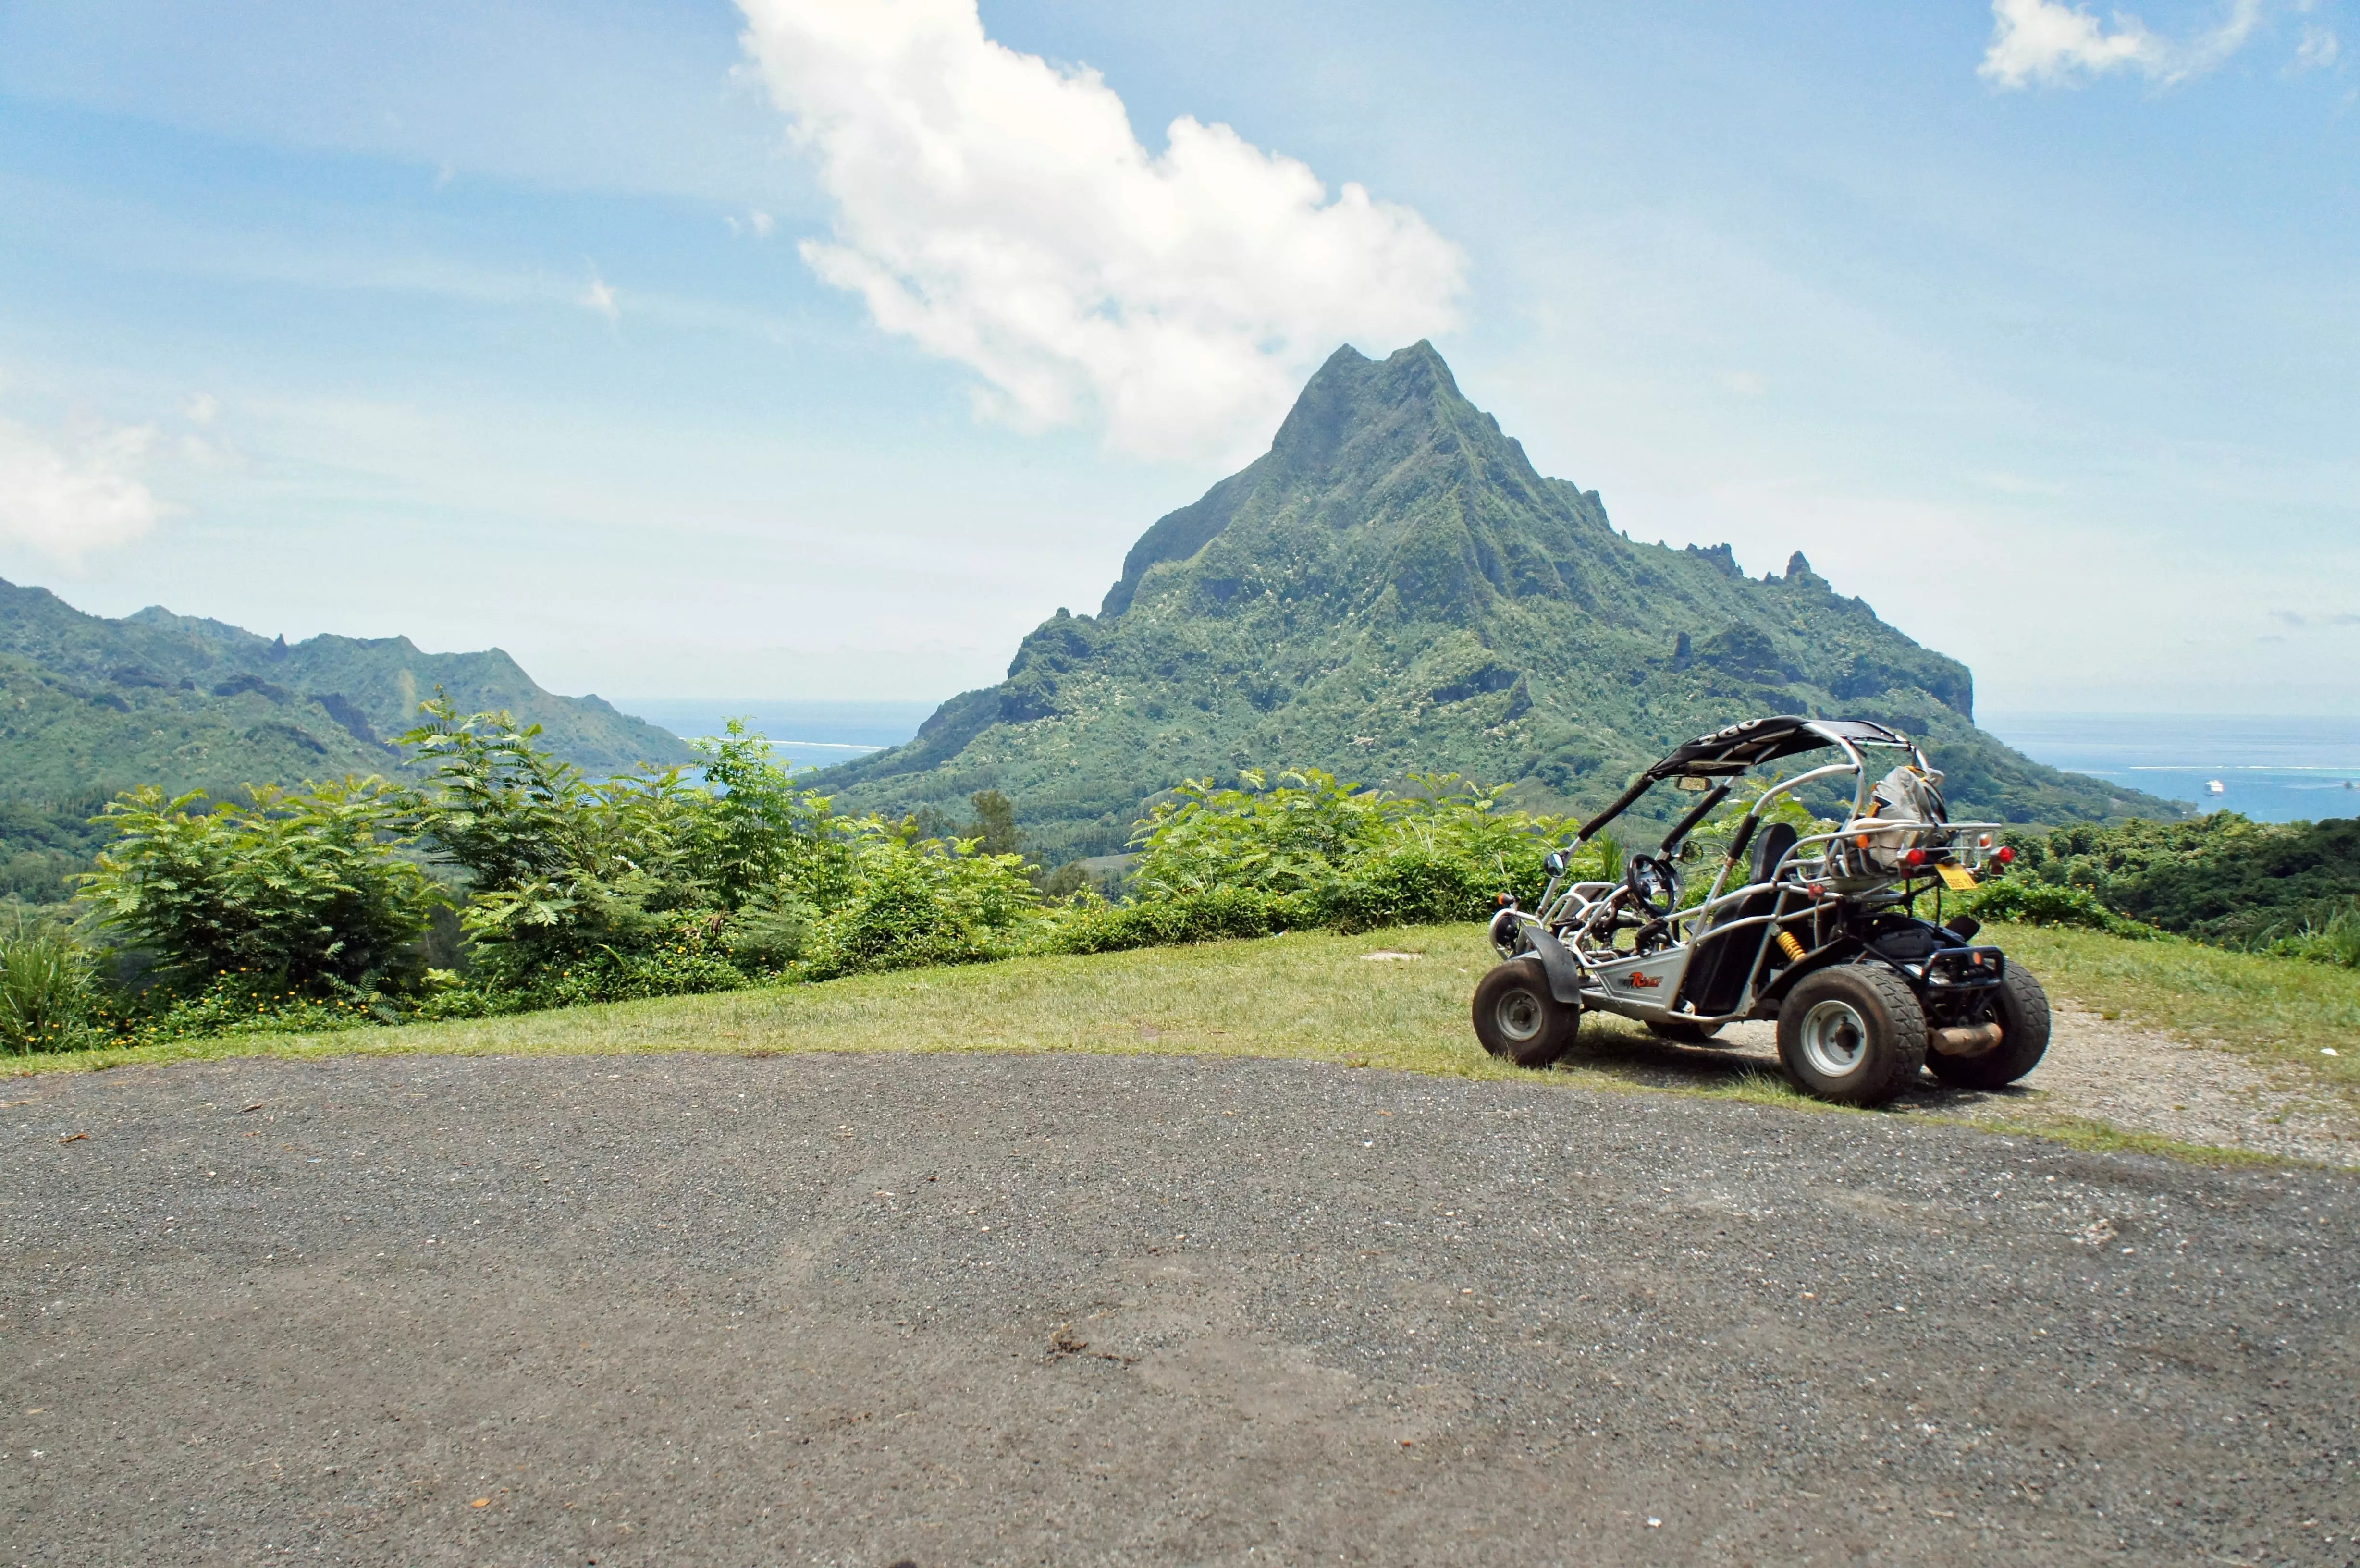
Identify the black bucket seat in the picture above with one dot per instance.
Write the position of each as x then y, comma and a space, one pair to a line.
1723, 960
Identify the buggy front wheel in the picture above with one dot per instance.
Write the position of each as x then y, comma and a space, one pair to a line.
1853, 1034
1517, 1018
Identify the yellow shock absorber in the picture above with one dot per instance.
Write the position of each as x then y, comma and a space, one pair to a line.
1790, 947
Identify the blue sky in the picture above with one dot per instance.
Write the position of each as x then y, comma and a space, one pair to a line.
651, 343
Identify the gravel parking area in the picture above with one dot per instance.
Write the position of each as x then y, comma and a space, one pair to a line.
1074, 1308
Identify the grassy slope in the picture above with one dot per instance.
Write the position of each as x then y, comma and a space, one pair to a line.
1312, 995
2274, 1007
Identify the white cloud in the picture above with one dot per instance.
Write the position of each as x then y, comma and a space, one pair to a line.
598, 297
2319, 49
65, 503
762, 224
999, 211
202, 408
2056, 44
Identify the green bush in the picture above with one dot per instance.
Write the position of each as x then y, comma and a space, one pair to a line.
248, 1004
48, 998
919, 903
305, 889
1444, 849
2045, 904
1219, 914
2330, 935
2220, 878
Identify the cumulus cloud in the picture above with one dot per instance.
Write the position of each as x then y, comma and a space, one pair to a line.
999, 212
67, 502
2058, 44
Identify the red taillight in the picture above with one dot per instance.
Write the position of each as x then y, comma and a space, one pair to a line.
2005, 855
1916, 857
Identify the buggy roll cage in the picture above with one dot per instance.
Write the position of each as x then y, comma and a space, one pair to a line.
1863, 857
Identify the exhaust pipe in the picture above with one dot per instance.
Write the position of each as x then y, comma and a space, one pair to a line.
1965, 1039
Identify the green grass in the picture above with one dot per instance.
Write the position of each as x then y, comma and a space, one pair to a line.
1312, 995
1317, 996
2281, 1009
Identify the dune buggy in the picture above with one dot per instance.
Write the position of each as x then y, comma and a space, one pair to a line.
1820, 931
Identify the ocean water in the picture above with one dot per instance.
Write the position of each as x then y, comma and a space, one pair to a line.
806, 734
2272, 769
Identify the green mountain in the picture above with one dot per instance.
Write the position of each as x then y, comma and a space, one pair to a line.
1393, 589
89, 705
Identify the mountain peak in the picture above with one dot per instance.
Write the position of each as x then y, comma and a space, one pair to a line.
1359, 425
1352, 397
1392, 590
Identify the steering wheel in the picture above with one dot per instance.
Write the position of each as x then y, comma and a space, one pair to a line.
1654, 885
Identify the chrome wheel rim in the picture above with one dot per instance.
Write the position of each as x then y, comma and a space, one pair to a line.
1835, 1039
1519, 1015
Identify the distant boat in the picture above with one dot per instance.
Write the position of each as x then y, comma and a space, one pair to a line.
2215, 787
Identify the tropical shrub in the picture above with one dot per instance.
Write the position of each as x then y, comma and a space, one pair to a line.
650, 883
304, 891
1442, 849
556, 868
2035, 903
2323, 935
2220, 877
1219, 914
305, 910
48, 998
915, 903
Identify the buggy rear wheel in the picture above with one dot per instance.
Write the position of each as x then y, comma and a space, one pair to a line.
1853, 1034
1682, 1032
2021, 1010
1518, 1019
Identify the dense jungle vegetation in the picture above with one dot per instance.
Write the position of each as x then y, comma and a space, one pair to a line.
2287, 888
508, 880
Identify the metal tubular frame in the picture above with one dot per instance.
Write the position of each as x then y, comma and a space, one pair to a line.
1571, 912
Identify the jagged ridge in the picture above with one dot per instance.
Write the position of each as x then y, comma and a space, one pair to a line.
1393, 589
89, 703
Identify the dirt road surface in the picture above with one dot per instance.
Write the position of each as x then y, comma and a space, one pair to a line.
2097, 1068
958, 1310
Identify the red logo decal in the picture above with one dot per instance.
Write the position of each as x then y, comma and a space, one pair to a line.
1642, 981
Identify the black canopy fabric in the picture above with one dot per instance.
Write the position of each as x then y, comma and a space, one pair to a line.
1756, 741
1727, 752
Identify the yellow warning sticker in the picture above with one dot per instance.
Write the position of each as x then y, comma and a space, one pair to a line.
1957, 878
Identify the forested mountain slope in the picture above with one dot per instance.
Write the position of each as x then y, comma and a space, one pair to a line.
92, 704
1393, 589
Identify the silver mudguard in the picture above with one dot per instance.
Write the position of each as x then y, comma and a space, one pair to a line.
1557, 962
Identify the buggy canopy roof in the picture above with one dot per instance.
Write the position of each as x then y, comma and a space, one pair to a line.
1726, 753
1729, 752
